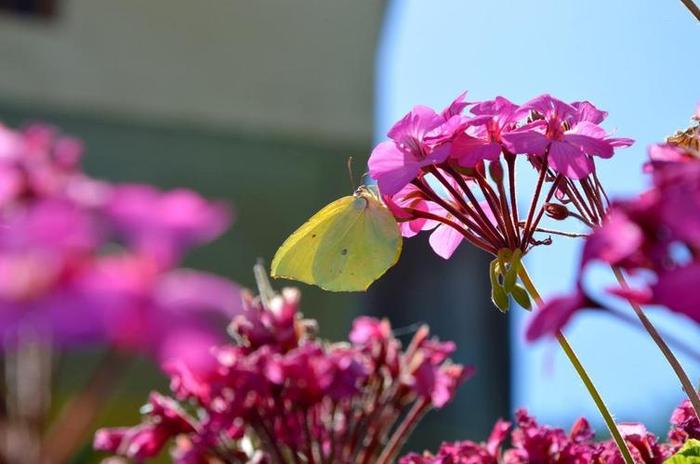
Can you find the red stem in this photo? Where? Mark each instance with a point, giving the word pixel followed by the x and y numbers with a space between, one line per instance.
pixel 527 233
pixel 404 430
pixel 476 213
pixel 510 160
pixel 472 198
pixel 494 204
pixel 470 237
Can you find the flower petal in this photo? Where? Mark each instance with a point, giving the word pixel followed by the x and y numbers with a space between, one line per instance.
pixel 570 160
pixel 391 167
pixel 444 240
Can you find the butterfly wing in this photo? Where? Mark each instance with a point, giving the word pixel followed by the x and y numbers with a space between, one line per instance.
pixel 351 257
pixel 344 247
pixel 295 258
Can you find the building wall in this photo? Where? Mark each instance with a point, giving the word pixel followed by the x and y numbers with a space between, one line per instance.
pixel 301 68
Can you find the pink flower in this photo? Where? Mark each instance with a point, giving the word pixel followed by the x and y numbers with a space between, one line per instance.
pixel 168 314
pixel 294 394
pixel 458 105
pixel 616 241
pixel 184 219
pixel 482 139
pixel 84 262
pixel 653 236
pixel 552 316
pixel 676 289
pixel 395 163
pixel 568 134
pixel 444 173
pixel 664 153
pixel 684 425
pixel 165 420
pixel 535 443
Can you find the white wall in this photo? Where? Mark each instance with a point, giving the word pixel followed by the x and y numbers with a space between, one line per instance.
pixel 299 67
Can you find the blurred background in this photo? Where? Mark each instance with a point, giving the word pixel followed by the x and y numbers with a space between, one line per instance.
pixel 260 104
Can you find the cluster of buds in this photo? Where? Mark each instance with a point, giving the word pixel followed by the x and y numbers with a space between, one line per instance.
pixel 654 236
pixel 531 442
pixel 445 172
pixel 84 261
pixel 281 395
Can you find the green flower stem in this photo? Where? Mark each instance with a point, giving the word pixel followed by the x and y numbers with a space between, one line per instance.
pixel 668 354
pixel 581 371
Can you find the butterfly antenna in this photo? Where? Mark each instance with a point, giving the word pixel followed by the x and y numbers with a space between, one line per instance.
pixel 264 287
pixel 408 329
pixel 353 185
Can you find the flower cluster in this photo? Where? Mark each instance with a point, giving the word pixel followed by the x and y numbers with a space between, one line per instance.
pixel 444 171
pixel 281 395
pixel 531 442
pixel 86 261
pixel 654 236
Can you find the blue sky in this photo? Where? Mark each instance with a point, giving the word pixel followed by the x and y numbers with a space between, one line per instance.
pixel 637 59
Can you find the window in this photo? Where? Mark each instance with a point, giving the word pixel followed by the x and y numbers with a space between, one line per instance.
pixel 30 8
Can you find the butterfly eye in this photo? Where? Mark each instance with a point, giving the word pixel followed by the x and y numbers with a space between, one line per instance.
pixel 359 203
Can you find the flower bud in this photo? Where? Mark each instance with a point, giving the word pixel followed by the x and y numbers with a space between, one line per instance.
pixel 496 171
pixel 556 211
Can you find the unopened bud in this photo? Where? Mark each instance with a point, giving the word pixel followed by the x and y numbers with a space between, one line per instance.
pixel 556 211
pixel 496 171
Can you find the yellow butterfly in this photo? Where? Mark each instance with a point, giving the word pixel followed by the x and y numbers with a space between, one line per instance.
pixel 344 247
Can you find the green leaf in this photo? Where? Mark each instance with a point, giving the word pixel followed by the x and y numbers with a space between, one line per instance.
pixel 512 275
pixel 521 297
pixel 688 454
pixel 500 298
pixel 498 295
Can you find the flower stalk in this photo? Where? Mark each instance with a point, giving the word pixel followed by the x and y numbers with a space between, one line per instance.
pixel 583 374
pixel 686 383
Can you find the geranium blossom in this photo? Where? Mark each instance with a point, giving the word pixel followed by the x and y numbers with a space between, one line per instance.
pixel 531 442
pixel 294 396
pixel 568 133
pixel 396 162
pixel 454 174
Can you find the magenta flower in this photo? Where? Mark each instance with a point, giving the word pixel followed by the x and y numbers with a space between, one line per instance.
pixel 397 162
pixel 555 313
pixel 569 134
pixel 86 262
pixel 653 236
pixel 169 315
pixel 482 138
pixel 294 396
pixel 684 425
pixel 531 442
pixel 444 173
pixel 164 419
pixel 184 219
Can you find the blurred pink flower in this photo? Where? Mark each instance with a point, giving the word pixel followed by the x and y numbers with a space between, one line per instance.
pixel 165 224
pixel 653 236
pixel 83 261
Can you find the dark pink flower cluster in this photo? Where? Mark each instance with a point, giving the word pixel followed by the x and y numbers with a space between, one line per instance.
pixel 280 395
pixel 86 261
pixel 444 172
pixel 531 442
pixel 655 237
